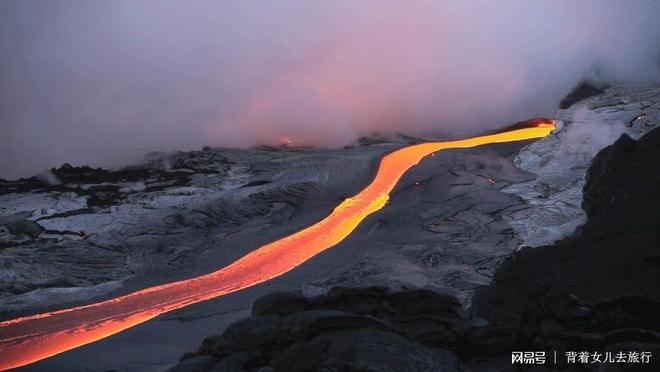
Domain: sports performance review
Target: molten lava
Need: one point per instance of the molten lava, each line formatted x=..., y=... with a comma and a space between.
x=286, y=141
x=29, y=339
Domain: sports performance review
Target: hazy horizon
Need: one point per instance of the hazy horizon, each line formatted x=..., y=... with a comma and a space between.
x=103, y=83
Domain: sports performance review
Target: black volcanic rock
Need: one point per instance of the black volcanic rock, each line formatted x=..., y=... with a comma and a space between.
x=279, y=303
x=27, y=227
x=583, y=90
x=622, y=193
x=369, y=329
x=103, y=186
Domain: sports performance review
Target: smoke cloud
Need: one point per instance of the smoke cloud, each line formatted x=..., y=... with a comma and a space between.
x=104, y=82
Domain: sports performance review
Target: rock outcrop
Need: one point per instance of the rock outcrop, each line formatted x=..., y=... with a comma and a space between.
x=370, y=329
x=584, y=90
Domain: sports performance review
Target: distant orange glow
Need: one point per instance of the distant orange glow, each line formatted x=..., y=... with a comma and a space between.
x=29, y=339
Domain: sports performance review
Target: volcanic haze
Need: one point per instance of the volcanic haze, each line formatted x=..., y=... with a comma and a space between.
x=102, y=83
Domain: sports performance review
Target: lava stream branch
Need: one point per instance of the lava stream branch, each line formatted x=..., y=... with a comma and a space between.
x=32, y=338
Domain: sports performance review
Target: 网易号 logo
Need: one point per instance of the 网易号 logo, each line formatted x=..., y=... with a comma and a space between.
x=528, y=357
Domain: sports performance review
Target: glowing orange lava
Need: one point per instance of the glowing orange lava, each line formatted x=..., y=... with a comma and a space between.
x=286, y=141
x=32, y=338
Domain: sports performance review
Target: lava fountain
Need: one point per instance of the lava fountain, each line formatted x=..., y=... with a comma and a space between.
x=29, y=339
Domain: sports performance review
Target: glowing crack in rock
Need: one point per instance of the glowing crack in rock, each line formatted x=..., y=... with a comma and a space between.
x=29, y=339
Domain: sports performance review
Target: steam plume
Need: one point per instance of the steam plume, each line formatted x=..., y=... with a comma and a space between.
x=102, y=83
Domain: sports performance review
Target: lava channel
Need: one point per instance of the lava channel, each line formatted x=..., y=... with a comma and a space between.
x=29, y=339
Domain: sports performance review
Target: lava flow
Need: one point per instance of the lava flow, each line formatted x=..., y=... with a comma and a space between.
x=29, y=339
